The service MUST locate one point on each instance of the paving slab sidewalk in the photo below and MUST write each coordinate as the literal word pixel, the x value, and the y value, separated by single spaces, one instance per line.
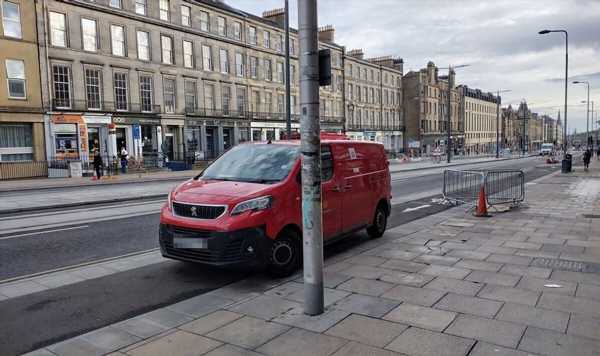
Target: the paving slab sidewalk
pixel 492 301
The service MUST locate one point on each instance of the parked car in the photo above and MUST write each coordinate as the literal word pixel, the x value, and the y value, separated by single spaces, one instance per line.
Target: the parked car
pixel 245 208
pixel 547 149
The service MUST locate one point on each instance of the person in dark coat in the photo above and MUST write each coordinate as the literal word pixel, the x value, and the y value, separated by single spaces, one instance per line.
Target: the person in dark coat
pixel 98 164
pixel 587 155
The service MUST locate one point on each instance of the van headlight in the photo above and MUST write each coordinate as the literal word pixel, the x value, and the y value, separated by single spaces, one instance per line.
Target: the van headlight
pixel 255 204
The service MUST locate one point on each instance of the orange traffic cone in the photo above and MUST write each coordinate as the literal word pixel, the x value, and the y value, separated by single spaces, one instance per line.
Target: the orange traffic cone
pixel 481 211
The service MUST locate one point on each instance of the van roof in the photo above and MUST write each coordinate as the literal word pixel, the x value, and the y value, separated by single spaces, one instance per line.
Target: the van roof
pixel 327 141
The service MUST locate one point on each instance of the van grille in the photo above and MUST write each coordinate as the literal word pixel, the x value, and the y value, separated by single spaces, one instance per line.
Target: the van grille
pixel 198 211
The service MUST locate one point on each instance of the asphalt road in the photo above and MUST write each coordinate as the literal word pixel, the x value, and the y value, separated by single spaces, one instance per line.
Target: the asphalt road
pixel 80 307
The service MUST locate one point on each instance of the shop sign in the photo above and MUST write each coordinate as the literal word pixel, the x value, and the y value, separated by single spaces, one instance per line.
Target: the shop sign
pixel 134 120
pixel 414 144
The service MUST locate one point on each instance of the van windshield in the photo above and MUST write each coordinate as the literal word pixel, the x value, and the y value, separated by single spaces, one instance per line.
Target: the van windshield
pixel 256 163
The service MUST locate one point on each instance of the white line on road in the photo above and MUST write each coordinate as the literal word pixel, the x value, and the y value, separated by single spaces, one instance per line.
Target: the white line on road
pixel 408 210
pixel 44 232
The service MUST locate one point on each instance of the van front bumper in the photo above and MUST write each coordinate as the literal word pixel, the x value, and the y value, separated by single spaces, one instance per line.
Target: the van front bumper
pixel 241 247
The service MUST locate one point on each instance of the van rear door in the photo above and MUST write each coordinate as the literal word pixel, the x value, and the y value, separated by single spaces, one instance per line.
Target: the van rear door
pixel 332 193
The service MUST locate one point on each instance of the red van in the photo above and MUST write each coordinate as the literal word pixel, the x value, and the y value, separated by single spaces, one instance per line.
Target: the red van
pixel 246 206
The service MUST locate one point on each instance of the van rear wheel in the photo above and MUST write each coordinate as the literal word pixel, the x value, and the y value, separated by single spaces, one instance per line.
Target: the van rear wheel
pixel 285 254
pixel 379 223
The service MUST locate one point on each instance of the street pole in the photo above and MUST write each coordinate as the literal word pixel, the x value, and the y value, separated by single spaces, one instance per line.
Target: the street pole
pixel 498 125
pixel 288 80
pixel 310 147
pixel 449 110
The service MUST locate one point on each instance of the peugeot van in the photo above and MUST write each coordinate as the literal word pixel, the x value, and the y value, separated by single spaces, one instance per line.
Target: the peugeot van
pixel 245 208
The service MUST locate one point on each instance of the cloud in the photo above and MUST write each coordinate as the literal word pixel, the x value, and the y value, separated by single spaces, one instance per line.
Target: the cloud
pixel 499 39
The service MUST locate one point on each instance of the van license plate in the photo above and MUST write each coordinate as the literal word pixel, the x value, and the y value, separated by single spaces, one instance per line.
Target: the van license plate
pixel 179 242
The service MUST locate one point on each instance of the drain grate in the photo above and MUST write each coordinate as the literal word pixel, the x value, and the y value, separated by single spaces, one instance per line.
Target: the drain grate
pixel 591 216
pixel 565 265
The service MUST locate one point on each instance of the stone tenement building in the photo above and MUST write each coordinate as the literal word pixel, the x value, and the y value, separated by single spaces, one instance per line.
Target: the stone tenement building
pixel 480 116
pixel 425 104
pixel 374 99
pixel 21 113
pixel 185 78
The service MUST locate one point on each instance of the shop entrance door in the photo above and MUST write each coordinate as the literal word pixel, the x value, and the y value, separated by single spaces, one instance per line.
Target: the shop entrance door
pixel 94 140
pixel 121 139
pixel 227 137
pixel 211 137
pixel 168 149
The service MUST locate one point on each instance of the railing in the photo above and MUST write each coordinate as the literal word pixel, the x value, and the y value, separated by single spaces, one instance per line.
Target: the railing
pixel 16 170
pixel 499 187
pixel 376 127
pixel 103 106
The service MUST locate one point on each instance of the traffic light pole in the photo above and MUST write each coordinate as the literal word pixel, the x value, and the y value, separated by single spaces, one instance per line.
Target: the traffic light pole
pixel 310 146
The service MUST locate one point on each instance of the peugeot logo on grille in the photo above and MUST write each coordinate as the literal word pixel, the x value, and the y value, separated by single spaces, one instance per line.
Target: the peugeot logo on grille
pixel 193 211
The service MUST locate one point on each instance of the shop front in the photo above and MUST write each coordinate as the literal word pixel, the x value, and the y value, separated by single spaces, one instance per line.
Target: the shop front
pixel 98 135
pixel 206 139
pixel 141 137
pixel 66 138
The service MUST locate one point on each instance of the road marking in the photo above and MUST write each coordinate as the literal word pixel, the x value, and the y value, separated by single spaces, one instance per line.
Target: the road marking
pixel 80 221
pixel 408 210
pixel 80 265
pixel 44 232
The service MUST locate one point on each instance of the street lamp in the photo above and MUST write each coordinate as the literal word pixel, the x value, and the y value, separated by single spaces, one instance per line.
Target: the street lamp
pixel 590 137
pixel 587 137
pixel 498 121
pixel 544 32
pixel 449 110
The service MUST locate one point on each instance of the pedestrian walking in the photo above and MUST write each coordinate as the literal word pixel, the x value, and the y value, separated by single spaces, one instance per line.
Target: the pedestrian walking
pixel 98 164
pixel 598 154
pixel 587 155
pixel 124 157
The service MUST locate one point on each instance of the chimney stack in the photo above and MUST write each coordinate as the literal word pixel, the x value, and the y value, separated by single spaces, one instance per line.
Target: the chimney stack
pixel 327 34
pixel 356 53
pixel 275 15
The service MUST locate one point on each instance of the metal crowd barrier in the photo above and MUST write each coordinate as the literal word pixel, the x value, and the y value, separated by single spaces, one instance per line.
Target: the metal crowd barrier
pixel 501 187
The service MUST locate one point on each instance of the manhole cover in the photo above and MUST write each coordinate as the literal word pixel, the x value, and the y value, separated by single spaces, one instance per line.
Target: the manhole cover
pixel 565 265
pixel 591 216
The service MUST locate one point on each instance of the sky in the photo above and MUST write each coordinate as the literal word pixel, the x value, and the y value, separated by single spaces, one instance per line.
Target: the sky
pixel 498 39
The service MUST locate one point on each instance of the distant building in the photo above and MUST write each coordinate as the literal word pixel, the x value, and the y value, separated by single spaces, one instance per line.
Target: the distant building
pixel 480 116
pixel 425 105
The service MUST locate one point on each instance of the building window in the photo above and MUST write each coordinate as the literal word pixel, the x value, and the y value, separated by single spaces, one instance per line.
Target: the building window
pixel 266 39
pixel 117 35
pixel 204 22
pixel 16 142
pixel 241 99
pixel 164 10
pixel 89 36
pixel 190 95
pixel 61 75
pixel 280 103
pixel 58 30
pixel 221 26
pixel 188 54
pixel 209 96
pixel 15 76
pixel 252 35
pixel 254 67
pixel 256 96
pixel 281 44
pixel 115 3
pixel 239 64
pixel 280 75
pixel 268 70
pixel 293 101
pixel 224 60
pixel 186 18
pixel 268 102
pixel 292 47
pixel 11 19
pixel 121 98
pixel 140 7
pixel 237 30
pixel 143 45
pixel 207 58
pixel 92 88
pixel 226 96
pixel 166 44
pixel 146 95
pixel 169 95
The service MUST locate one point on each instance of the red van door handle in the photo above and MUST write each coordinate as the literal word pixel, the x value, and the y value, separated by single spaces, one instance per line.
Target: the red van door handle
pixel 337 189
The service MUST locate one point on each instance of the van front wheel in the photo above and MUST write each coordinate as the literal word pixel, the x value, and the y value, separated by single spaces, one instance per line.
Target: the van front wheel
pixel 379 223
pixel 285 254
